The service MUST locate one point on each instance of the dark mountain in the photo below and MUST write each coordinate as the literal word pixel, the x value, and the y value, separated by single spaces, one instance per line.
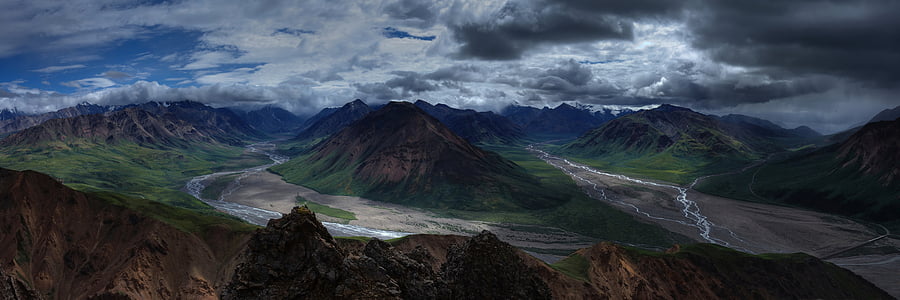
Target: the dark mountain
pixel 765 128
pixel 859 177
pixel 401 154
pixel 318 116
pixel 65 244
pixel 521 115
pixel 564 121
pixel 886 115
pixel 335 121
pixel 272 119
pixel 7 114
pixel 805 132
pixel 152 124
pixel 764 135
pixel 475 127
pixel 22 121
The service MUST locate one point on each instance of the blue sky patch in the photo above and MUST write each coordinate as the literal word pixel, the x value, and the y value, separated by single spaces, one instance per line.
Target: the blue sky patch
pixel 394 33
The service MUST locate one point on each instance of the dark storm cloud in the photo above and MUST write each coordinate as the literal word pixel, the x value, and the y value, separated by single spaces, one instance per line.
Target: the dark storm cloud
pixel 855 39
pixel 522 25
pixel 410 82
pixel 464 73
pixel 378 91
pixel 572 72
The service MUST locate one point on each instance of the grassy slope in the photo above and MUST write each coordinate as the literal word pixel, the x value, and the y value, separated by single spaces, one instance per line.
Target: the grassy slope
pixel 326 210
pixel 813 179
pixel 188 220
pixel 156 174
pixel 577 212
pixel 215 188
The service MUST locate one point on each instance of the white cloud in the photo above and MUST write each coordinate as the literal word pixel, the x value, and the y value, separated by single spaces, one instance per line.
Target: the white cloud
pixel 54 69
pixel 90 83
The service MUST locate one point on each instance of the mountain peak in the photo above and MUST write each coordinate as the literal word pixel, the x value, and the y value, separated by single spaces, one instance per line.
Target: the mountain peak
pixel 670 107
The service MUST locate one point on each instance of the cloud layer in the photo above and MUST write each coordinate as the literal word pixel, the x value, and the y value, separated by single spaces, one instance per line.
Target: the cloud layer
pixel 791 61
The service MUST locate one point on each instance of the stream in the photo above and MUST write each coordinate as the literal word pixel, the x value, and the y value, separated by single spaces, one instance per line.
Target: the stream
pixel 258 216
pixel 690 210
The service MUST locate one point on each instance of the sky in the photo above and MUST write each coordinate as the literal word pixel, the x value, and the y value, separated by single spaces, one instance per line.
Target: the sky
pixel 826 64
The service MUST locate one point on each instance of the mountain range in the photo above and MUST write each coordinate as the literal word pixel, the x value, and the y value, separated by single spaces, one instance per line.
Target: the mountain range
pixel 271 119
pixel 15 121
pixel 475 127
pixel 63 243
pixel 563 121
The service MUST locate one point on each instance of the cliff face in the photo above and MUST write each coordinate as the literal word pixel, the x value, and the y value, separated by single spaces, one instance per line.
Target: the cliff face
pixel 68 244
pixel 875 150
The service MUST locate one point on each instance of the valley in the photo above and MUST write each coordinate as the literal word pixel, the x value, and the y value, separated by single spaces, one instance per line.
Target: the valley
pixel 746 226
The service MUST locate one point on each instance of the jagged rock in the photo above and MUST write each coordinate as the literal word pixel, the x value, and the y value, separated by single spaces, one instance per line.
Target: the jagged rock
pixel 12 288
pixel 486 268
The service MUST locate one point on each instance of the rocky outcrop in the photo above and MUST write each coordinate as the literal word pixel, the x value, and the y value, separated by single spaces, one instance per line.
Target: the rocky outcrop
pixel 12 288
pixel 295 258
pixel 486 268
pixel 68 244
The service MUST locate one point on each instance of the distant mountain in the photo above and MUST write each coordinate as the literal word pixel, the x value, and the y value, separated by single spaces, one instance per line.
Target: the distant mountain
pixel 667 128
pixel 765 128
pixel 859 177
pixel 272 119
pixel 222 123
pixel 475 127
pixel 7 114
pixel 399 153
pixel 63 244
pixel 805 131
pixel 521 115
pixel 20 121
pixel 670 143
pixel 318 116
pixel 562 121
pixel 152 124
pixel 334 121
pixel 886 115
